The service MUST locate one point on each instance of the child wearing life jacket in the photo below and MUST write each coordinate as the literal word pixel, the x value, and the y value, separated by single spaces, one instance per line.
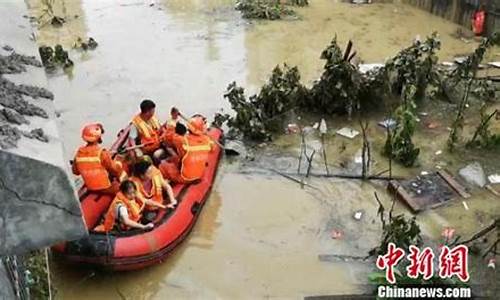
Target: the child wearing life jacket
pixel 126 209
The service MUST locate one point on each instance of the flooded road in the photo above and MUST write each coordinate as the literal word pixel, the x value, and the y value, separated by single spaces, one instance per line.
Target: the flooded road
pixel 259 235
pixel 186 52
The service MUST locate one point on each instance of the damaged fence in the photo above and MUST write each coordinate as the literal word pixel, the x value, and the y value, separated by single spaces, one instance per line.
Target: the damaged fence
pixel 28 276
pixel 461 11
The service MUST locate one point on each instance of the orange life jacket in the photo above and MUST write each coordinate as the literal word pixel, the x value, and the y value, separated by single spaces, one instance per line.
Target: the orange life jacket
pixel 149 132
pixel 134 210
pixel 172 122
pixel 156 193
pixel 169 132
pixel 194 161
pixel 88 162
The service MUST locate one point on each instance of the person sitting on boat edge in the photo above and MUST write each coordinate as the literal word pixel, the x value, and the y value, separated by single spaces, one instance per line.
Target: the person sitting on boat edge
pixel 192 153
pixel 95 164
pixel 168 132
pixel 169 126
pixel 126 210
pixel 147 131
pixel 150 184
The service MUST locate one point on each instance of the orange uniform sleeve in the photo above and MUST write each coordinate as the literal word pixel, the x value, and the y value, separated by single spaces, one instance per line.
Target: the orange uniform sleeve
pixel 74 168
pixel 168 135
pixel 113 167
pixel 178 141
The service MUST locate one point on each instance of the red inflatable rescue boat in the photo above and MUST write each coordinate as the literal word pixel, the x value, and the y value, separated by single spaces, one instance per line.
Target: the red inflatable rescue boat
pixel 135 249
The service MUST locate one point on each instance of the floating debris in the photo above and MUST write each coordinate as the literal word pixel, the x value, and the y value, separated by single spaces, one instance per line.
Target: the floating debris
pixel 90 44
pixel 473 174
pixel 492 263
pixel 358 215
pixel 336 234
pixel 292 128
pixel 465 205
pixel 387 123
pixel 423 192
pixel 57 21
pixel 495 64
pixel 365 68
pixel 7 48
pixel 433 125
pixel 494 178
pixel 347 132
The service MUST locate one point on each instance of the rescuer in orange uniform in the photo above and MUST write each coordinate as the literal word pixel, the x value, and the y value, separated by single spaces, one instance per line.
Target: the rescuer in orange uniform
pixel 151 184
pixel 95 164
pixel 147 131
pixel 192 152
pixel 126 210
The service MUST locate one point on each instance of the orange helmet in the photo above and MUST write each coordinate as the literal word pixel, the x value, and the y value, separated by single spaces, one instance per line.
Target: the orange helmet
pixel 92 133
pixel 197 125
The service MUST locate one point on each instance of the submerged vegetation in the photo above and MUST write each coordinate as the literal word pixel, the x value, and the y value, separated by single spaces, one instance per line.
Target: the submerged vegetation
pixel 36 276
pixel 400 86
pixel 339 87
pixel 465 76
pixel 409 75
pixel 55 57
pixel 268 9
pixel 260 115
pixel 482 137
pixel 403 232
pixel 399 145
pixel 398 230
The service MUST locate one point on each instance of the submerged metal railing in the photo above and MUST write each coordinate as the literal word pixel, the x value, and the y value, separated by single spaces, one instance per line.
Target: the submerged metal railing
pixel 17 274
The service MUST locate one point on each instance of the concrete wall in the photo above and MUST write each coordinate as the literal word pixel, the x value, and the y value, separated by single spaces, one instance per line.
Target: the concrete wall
pixel 6 289
pixel 38 203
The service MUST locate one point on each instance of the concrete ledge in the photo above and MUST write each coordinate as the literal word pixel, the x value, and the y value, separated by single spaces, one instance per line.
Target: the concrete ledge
pixel 38 203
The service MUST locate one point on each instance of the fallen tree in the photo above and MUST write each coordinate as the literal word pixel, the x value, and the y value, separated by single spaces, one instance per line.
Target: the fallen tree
pixel 260 115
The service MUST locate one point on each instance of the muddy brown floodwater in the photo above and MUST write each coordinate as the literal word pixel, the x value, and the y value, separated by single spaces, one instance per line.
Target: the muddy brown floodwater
pixel 259 236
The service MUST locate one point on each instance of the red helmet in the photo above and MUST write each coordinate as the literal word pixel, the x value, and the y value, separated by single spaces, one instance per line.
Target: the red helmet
pixel 197 125
pixel 92 133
